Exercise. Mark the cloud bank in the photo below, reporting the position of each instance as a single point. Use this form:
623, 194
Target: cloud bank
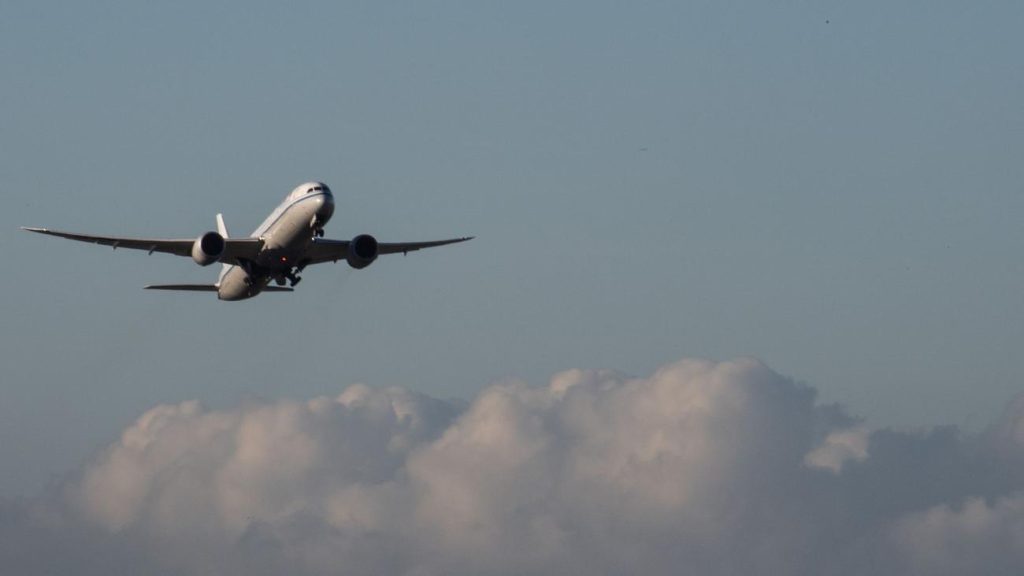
702, 468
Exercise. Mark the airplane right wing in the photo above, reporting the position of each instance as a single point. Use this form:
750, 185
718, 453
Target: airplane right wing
234, 248
326, 250
406, 247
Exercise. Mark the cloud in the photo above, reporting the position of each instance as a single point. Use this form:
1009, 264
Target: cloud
975, 537
703, 467
838, 447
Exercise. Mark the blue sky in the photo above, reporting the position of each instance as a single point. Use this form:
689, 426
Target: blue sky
833, 188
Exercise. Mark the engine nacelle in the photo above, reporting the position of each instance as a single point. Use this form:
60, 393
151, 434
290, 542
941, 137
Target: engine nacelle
208, 248
362, 251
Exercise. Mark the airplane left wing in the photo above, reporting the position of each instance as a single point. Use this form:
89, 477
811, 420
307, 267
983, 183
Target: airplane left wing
325, 250
234, 248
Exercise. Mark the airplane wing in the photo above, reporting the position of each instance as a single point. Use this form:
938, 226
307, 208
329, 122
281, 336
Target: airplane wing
325, 250
234, 248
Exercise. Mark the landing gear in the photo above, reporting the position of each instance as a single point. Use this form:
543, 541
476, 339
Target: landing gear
291, 276
280, 274
318, 226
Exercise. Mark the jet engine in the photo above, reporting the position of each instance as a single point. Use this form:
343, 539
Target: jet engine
208, 248
362, 251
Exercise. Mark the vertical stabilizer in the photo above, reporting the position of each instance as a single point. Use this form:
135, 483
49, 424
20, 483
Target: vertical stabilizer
222, 229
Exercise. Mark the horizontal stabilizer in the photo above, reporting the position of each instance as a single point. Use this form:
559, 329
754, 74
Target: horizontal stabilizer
208, 288
185, 287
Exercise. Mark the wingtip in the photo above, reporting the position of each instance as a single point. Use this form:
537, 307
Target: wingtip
33, 229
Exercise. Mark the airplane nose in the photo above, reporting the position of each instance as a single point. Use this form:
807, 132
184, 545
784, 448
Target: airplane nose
325, 206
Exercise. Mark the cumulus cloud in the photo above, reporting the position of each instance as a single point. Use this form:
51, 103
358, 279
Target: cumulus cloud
702, 467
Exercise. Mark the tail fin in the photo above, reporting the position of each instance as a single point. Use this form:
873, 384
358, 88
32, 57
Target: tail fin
222, 229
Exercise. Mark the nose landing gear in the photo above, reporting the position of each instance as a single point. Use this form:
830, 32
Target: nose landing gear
317, 224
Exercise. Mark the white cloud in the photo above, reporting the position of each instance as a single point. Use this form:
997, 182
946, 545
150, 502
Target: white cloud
718, 468
839, 447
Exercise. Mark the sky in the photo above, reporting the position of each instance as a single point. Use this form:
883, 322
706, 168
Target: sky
831, 188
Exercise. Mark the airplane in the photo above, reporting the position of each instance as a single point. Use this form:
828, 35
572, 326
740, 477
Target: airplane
290, 239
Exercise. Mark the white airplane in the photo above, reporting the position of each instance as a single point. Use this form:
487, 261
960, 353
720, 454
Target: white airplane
290, 239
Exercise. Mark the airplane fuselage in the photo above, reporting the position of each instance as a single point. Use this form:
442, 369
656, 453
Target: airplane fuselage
286, 235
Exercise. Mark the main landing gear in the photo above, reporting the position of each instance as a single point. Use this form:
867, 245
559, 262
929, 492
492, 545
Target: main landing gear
291, 275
